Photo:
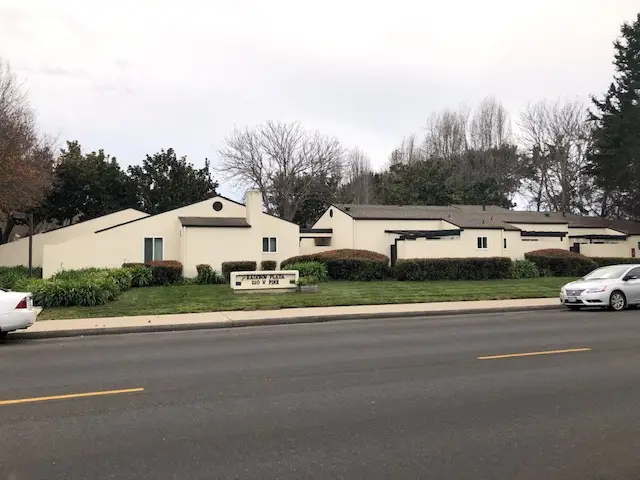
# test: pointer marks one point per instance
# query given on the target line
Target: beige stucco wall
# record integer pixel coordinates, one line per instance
(343, 230)
(370, 234)
(517, 246)
(620, 249)
(190, 245)
(308, 247)
(17, 253)
(466, 245)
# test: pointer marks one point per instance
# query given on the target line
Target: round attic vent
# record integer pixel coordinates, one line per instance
(331, 213)
(217, 206)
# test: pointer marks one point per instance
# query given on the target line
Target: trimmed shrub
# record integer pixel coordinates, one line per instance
(524, 269)
(561, 263)
(268, 265)
(10, 275)
(316, 271)
(348, 264)
(423, 269)
(121, 276)
(133, 265)
(141, 275)
(606, 261)
(166, 272)
(207, 275)
(239, 266)
(78, 292)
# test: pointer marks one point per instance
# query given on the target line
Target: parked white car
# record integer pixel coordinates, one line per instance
(16, 311)
(615, 287)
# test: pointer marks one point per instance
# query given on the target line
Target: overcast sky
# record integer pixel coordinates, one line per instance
(136, 76)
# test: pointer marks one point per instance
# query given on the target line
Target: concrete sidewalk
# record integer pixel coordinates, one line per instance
(210, 320)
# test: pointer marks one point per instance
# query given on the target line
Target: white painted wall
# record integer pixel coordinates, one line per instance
(620, 249)
(189, 245)
(17, 252)
(343, 230)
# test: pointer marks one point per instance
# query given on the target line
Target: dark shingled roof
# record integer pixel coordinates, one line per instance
(223, 222)
(475, 216)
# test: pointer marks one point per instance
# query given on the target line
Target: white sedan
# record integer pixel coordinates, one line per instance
(616, 287)
(16, 311)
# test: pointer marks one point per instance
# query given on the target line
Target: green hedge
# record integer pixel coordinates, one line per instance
(207, 275)
(348, 264)
(10, 275)
(315, 272)
(606, 261)
(423, 269)
(268, 265)
(239, 266)
(561, 263)
(166, 272)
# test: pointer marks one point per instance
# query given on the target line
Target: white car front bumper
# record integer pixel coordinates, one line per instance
(584, 299)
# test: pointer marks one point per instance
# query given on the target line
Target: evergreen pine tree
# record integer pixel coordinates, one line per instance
(614, 156)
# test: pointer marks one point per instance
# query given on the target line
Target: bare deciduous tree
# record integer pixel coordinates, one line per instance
(287, 163)
(358, 178)
(555, 137)
(26, 157)
(490, 126)
(446, 133)
(407, 153)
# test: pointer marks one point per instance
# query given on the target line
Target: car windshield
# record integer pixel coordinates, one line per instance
(606, 273)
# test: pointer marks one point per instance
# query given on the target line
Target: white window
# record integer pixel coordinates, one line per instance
(269, 245)
(153, 249)
(482, 243)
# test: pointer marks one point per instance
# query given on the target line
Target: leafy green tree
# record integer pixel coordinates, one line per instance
(86, 186)
(165, 182)
(614, 157)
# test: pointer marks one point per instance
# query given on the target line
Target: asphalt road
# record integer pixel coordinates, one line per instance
(361, 399)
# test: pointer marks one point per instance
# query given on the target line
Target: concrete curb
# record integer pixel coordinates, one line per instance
(268, 321)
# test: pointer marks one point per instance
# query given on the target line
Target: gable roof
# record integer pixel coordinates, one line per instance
(477, 216)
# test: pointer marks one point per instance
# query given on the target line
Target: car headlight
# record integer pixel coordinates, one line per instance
(598, 289)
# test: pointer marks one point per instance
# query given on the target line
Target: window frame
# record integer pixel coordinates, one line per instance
(268, 239)
(153, 248)
(634, 268)
(324, 241)
(482, 243)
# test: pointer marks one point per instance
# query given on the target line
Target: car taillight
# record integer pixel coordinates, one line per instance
(22, 304)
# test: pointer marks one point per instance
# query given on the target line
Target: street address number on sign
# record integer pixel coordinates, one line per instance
(265, 281)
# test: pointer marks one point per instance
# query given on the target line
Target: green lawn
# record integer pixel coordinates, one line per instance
(209, 298)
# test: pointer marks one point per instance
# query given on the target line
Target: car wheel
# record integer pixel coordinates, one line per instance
(573, 308)
(617, 301)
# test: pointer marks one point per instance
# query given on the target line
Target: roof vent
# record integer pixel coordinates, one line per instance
(346, 209)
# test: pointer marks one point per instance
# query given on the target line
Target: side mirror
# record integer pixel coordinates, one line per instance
(630, 277)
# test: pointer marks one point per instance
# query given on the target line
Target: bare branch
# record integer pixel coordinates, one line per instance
(283, 161)
(26, 157)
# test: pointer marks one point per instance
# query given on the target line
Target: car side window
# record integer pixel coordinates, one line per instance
(634, 272)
